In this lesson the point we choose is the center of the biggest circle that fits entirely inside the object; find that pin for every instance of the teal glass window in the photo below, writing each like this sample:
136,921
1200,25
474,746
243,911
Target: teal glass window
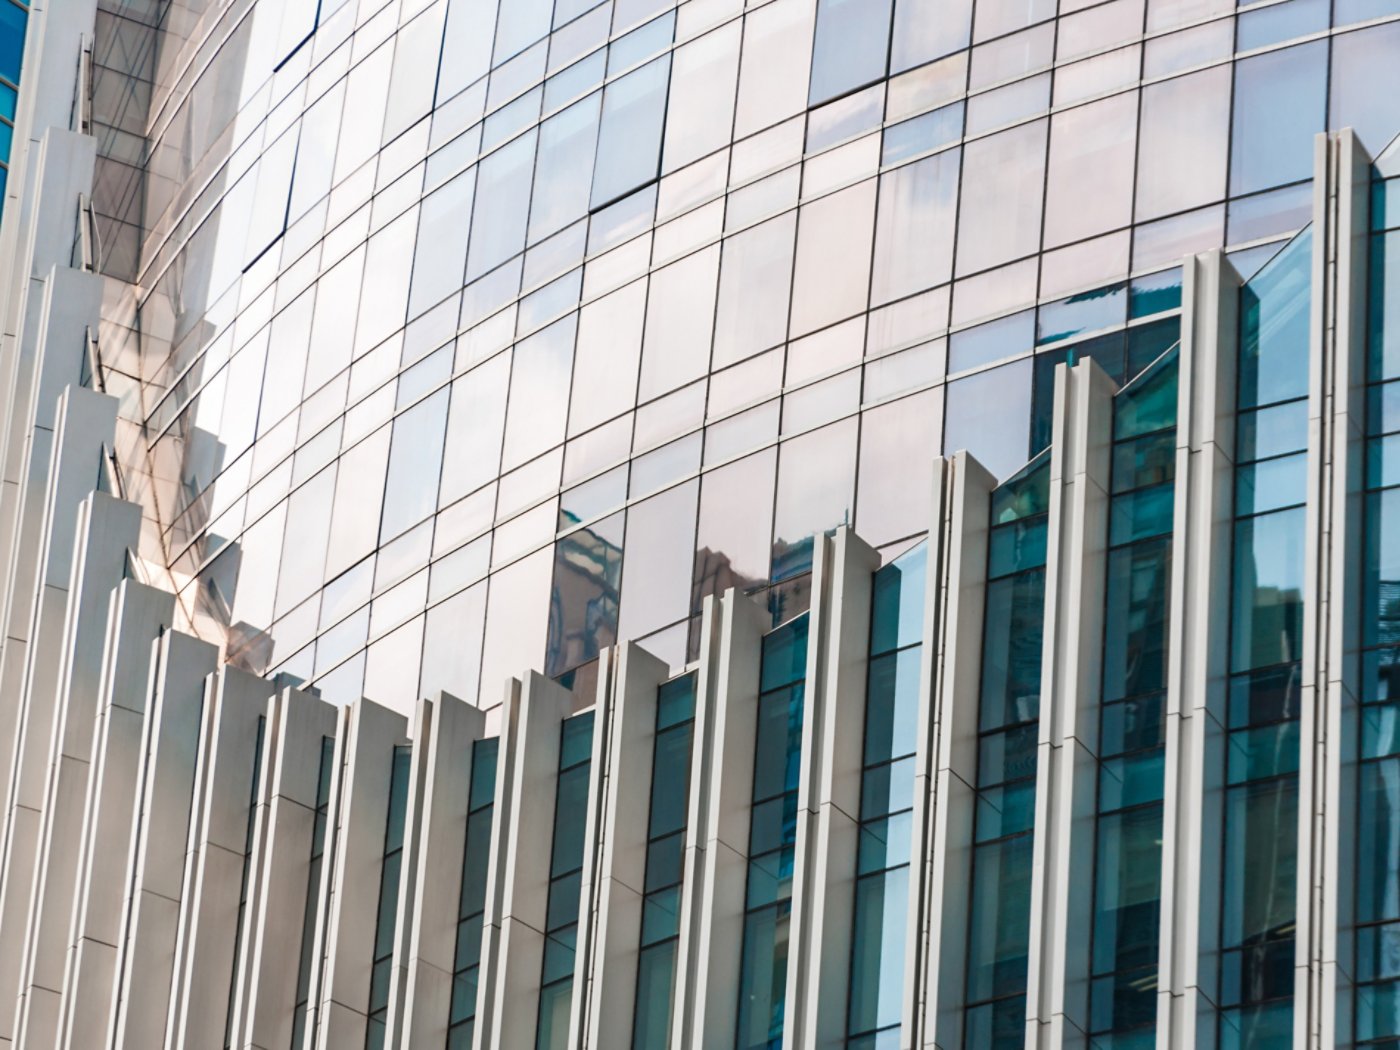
1260,827
565,881
385,927
998,936
471,908
1128,848
880,915
1377,859
666,826
772,838
313,889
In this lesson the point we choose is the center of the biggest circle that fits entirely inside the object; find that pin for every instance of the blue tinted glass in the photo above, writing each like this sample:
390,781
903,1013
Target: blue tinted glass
1274,327
851,48
1268,590
1149,404
912,137
1278,108
898,616
785,654
1012,650
1083,312
999,937
13,21
1006,337
1155,293
877,951
1384,300
629,142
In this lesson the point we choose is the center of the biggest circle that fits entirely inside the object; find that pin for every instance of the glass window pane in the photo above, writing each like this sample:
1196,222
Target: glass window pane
914,227
704,79
539,392
629,142
852,41
833,258
1184,136
1278,108
988,414
754,286
502,205
776,59
567,142
680,318
1002,189
1090,179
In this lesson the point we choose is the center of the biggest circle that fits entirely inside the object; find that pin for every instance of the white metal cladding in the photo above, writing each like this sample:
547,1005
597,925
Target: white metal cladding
136,797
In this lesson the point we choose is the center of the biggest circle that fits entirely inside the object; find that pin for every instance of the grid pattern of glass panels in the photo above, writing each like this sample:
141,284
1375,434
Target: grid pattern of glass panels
998,934
565,882
387,916
880,923
763,973
471,908
1132,727
313,889
677,284
1259,895
1378,810
661,903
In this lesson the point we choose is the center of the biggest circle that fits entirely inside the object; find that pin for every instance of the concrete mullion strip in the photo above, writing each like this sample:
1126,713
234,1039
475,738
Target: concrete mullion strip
927,728
371,736
268,968
57,306
1311,718
424,732
421,1003
65,616
623,868
819,981
139,616
150,912
528,844
1336,462
106,528
1188,953
729,775
202,995
493,919
594,836
62,168
1067,764
689,964
948,766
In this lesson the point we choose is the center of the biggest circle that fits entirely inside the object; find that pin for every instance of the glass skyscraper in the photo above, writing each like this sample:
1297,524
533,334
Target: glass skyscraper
550,524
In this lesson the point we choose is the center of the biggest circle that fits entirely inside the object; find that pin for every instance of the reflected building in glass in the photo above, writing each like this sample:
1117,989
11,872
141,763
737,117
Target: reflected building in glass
725,524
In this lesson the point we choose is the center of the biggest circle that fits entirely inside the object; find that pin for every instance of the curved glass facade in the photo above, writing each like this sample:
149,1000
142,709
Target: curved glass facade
471,337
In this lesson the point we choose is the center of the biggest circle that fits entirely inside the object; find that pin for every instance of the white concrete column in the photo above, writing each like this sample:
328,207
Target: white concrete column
434,842
61,731
202,993
1071,680
350,884
593,845
492,921
945,785
714,953
140,614
155,869
621,887
1332,619
265,992
689,964
529,834
29,702
1198,668
819,974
